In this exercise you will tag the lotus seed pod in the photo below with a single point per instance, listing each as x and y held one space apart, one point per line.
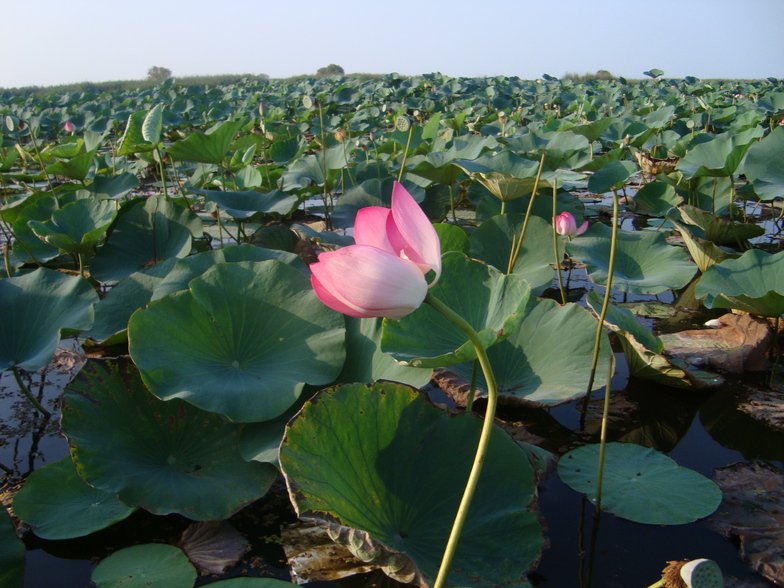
402 123
702 573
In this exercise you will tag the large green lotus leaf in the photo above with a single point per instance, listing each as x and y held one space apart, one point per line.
548 358
244 204
764 166
114 187
209 147
612 176
640 484
166 457
12 554
27 245
77 227
452 238
76 168
655 199
195 265
505 187
754 282
644 262
642 349
492 243
114 310
721 156
717 229
491 302
133 140
489 207
311 169
558 147
58 504
242 341
356 455
366 363
151 565
145 233
704 253
34 308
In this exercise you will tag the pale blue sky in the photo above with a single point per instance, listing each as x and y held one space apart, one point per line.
45 42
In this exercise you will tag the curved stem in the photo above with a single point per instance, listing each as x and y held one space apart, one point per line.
484 439
558 259
405 154
26 391
603 435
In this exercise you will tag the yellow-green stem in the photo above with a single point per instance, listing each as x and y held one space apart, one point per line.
405 154
484 439
558 259
513 262
607 293
603 435
26 391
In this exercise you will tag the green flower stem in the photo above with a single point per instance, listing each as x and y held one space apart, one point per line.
514 255
658 584
484 439
26 391
472 392
607 294
558 261
603 435
405 154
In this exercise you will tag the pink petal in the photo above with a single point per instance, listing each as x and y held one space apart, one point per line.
370 228
365 281
582 229
412 232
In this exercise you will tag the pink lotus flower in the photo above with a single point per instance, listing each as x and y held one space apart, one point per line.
69 127
383 275
566 225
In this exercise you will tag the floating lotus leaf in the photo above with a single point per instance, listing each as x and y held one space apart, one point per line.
491 302
35 308
151 565
640 484
78 226
376 485
764 166
145 232
163 456
12 554
493 240
548 358
754 282
242 341
58 504
644 263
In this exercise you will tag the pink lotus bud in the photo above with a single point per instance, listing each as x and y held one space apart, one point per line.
565 225
365 281
384 273
69 127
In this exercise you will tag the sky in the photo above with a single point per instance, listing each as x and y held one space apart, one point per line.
50 42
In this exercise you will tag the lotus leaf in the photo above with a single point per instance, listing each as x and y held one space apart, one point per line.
242 341
149 565
58 504
376 486
145 232
491 302
78 226
12 554
644 263
35 309
754 282
640 484
163 456
492 242
547 360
